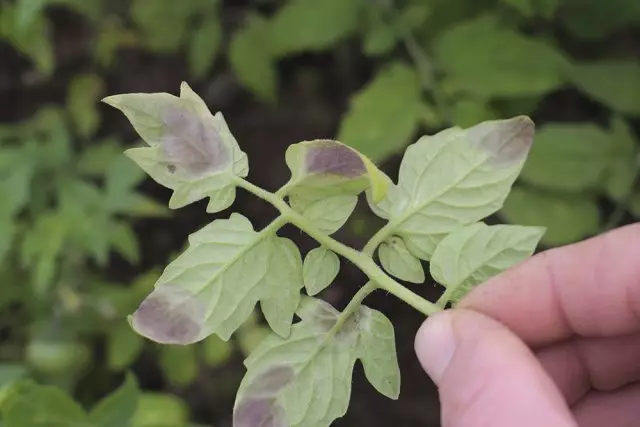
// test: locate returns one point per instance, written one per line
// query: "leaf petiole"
(362, 260)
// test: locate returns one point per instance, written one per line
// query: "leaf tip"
(507, 141)
(168, 316)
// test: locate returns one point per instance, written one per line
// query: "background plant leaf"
(378, 128)
(566, 217)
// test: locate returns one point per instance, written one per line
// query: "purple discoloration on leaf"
(260, 412)
(271, 382)
(507, 141)
(192, 145)
(169, 316)
(331, 157)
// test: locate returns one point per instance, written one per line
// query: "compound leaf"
(302, 25)
(321, 266)
(615, 83)
(190, 150)
(493, 61)
(385, 114)
(117, 409)
(214, 285)
(473, 254)
(455, 178)
(325, 168)
(399, 262)
(305, 380)
(568, 157)
(567, 218)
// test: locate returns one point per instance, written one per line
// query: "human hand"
(553, 342)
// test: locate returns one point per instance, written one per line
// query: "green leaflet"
(117, 409)
(321, 266)
(215, 351)
(398, 261)
(84, 92)
(252, 60)
(614, 83)
(385, 114)
(624, 168)
(123, 346)
(531, 8)
(179, 364)
(190, 150)
(568, 157)
(32, 405)
(160, 409)
(440, 177)
(473, 254)
(470, 51)
(325, 168)
(215, 284)
(316, 25)
(566, 217)
(205, 45)
(283, 283)
(305, 380)
(330, 214)
(583, 18)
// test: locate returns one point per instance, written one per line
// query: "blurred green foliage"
(69, 199)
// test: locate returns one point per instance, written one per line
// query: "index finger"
(590, 289)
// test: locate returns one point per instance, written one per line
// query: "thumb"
(486, 376)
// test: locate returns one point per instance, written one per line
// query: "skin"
(552, 342)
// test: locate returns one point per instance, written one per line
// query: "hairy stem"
(353, 305)
(377, 239)
(360, 259)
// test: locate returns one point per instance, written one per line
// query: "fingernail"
(435, 345)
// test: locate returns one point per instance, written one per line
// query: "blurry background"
(84, 233)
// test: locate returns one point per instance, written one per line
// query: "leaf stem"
(361, 259)
(377, 239)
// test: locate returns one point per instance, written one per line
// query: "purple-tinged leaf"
(192, 144)
(271, 382)
(327, 157)
(506, 141)
(259, 413)
(169, 315)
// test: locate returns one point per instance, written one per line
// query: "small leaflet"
(327, 168)
(321, 266)
(473, 254)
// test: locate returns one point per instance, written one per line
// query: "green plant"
(447, 183)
